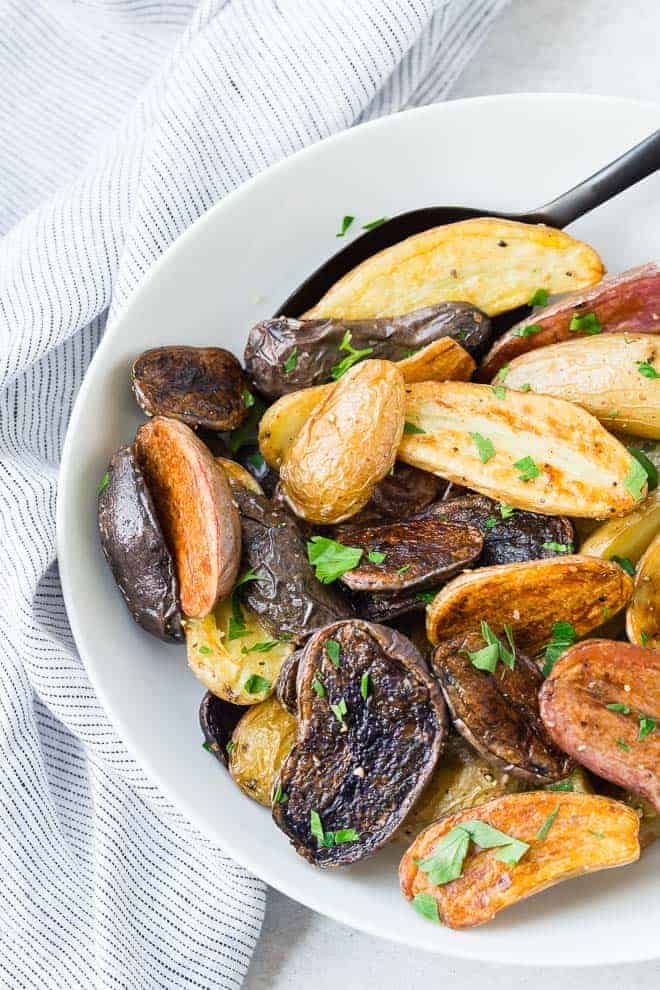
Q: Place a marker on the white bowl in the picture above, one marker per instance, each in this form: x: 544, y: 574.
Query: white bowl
x: 234, y: 267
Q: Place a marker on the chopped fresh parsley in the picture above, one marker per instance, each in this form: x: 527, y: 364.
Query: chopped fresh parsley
x: 331, y: 559
x: 547, y: 824
x: 402, y: 570
x: 648, y: 465
x: 558, y: 547
x: 364, y: 686
x: 500, y: 391
x: 525, y: 388
x: 540, y: 298
x: 207, y: 747
x: 625, y: 563
x: 426, y: 905
x: 206, y: 650
x: 319, y: 686
x: 647, y: 369
x: 635, y: 480
x: 339, y: 710
x: 488, y: 657
x: 646, y: 726
x: 484, y: 446
x: 316, y: 827
x: 501, y: 374
x: 374, y: 223
x: 333, y: 650
x: 426, y: 596
x: 643, y: 638
x: 528, y: 331
x: 376, y: 556
x: 563, y: 636
x: 345, y: 224
x: 260, y: 647
x: 506, y: 510
x: 622, y: 744
x: 346, y: 835
x: 528, y: 469
x: 586, y: 323
x: 291, y: 362
x: 617, y: 706
x: 352, y: 358
x: 329, y: 839
x: 409, y: 427
x: 248, y: 398
x: 103, y: 483
x: 257, y: 461
x: 230, y: 747
x: 279, y: 797
x: 491, y: 522
x: 248, y: 432
x: 237, y: 627
x: 256, y: 684
x: 446, y: 861
x: 561, y: 785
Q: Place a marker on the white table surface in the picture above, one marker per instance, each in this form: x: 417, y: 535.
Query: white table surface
x: 587, y: 46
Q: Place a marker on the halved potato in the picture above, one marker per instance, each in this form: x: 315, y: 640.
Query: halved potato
x: 260, y: 743
x: 228, y: 667
x: 602, y: 374
x: 628, y: 536
x: 347, y: 445
x: 568, y: 835
x: 442, y: 361
x: 530, y: 451
x: 601, y: 704
x: 628, y: 302
x: 530, y: 597
x: 196, y: 510
x: 643, y: 616
x: 493, y: 264
x: 238, y: 475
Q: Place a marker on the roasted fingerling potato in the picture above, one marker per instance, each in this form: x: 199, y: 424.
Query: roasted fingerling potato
x: 260, y: 743
x: 643, y: 615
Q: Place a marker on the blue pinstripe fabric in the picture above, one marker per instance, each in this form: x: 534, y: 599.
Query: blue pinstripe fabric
x: 121, y: 121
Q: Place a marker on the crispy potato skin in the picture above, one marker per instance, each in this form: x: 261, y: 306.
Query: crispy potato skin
x: 201, y: 386
x: 643, y: 616
x: 220, y: 663
x: 530, y: 597
x: 628, y: 536
x: 393, y: 738
x: 624, y: 303
x: 443, y: 360
x: 498, y: 714
x: 493, y: 264
x: 195, y: 506
x: 347, y: 445
x: 573, y: 702
x: 582, y: 467
x: 262, y: 741
x: 569, y: 849
x: 601, y: 374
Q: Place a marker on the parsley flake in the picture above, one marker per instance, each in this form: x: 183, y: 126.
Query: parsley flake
x: 331, y: 559
x: 528, y: 469
x: 426, y: 596
x: 540, y: 298
x: 374, y: 223
x: 376, y: 556
x: 617, y: 706
x: 364, y: 686
x: 647, y: 369
x: 561, y: 785
x: 319, y: 686
x: 333, y: 650
x: 248, y: 398
x: 525, y: 388
x: 647, y: 725
x: 339, y: 710
x: 643, y: 638
x: 261, y: 647
x: 409, y: 428
x: 625, y: 563
x: 345, y: 224
x: 207, y: 747
x: 500, y: 391
x: 103, y: 483
x: 446, y: 861
x: 257, y: 461
x: 586, y: 323
x: 346, y: 835
x: 279, y: 797
x: 648, y: 465
x: 488, y: 657
x: 547, y: 824
x: 426, y: 905
x: 558, y: 547
x: 527, y: 331
x: 635, y: 480
x: 256, y: 684
x: 291, y: 362
x: 491, y: 522
x: 231, y: 746
x: 563, y: 636
x: 622, y: 744
x: 204, y: 649
x: 402, y: 570
x: 502, y: 373
x: 506, y: 510
x: 354, y: 356
x: 484, y: 446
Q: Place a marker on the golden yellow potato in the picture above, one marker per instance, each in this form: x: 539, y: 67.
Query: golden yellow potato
x: 259, y: 745
x: 493, y: 264
x: 602, y: 374
x: 530, y: 451
x: 347, y: 444
x: 283, y: 421
x: 643, y: 616
x: 442, y: 361
x: 232, y: 668
x: 628, y: 536
x: 238, y: 475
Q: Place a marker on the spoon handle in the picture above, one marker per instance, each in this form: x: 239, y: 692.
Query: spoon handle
x: 619, y: 175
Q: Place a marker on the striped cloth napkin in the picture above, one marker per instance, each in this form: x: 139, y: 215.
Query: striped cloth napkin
x: 121, y: 122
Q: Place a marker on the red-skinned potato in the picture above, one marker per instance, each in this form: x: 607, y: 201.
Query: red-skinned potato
x: 601, y: 704
x: 624, y: 303
x: 568, y: 835
x: 196, y: 510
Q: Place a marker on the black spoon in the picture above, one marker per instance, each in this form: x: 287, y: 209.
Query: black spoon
x: 619, y: 175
